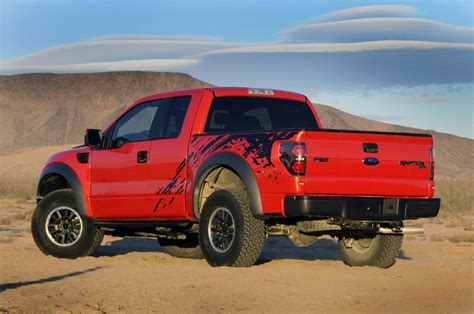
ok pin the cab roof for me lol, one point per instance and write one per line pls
(230, 91)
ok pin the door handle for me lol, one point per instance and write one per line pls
(142, 157)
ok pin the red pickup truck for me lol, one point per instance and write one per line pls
(211, 172)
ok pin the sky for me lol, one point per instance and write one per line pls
(408, 63)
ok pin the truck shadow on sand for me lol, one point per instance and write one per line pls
(275, 248)
(278, 248)
(14, 285)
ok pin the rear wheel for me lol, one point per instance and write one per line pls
(60, 230)
(188, 248)
(228, 232)
(379, 250)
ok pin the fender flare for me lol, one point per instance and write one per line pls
(241, 168)
(70, 176)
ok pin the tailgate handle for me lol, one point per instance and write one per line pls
(370, 148)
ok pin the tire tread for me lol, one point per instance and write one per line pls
(254, 232)
(383, 256)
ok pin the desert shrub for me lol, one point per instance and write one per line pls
(436, 238)
(8, 239)
(453, 223)
(462, 237)
(5, 221)
(25, 215)
(469, 227)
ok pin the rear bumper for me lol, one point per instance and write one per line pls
(370, 209)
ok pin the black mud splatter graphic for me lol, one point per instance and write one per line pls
(175, 186)
(255, 148)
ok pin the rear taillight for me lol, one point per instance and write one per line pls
(432, 167)
(293, 157)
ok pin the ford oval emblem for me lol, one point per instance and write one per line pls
(370, 161)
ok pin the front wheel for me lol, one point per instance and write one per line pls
(379, 250)
(228, 232)
(60, 230)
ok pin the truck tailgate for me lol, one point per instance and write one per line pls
(359, 163)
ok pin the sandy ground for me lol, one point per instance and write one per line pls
(134, 275)
(28, 164)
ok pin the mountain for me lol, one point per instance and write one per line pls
(54, 109)
(39, 110)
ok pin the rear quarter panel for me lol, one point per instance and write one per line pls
(260, 152)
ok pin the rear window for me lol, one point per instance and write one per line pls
(241, 114)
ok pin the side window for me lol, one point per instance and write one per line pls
(136, 124)
(176, 115)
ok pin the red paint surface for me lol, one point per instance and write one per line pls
(117, 187)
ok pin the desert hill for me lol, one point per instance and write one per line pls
(54, 109)
(40, 110)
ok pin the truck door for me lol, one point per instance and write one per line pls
(120, 172)
(168, 159)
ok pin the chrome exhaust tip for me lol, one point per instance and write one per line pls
(402, 230)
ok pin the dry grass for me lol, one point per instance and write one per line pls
(25, 215)
(453, 223)
(5, 221)
(462, 237)
(20, 189)
(436, 238)
(469, 227)
(457, 201)
(457, 198)
(8, 239)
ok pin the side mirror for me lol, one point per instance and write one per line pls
(93, 137)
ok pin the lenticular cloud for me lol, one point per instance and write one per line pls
(372, 46)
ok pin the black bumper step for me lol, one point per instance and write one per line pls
(355, 208)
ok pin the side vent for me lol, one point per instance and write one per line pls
(83, 158)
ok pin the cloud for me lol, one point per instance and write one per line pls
(157, 37)
(340, 47)
(388, 118)
(373, 29)
(124, 65)
(357, 48)
(118, 48)
(341, 67)
(368, 12)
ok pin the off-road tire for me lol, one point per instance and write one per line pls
(382, 252)
(249, 233)
(87, 243)
(188, 248)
